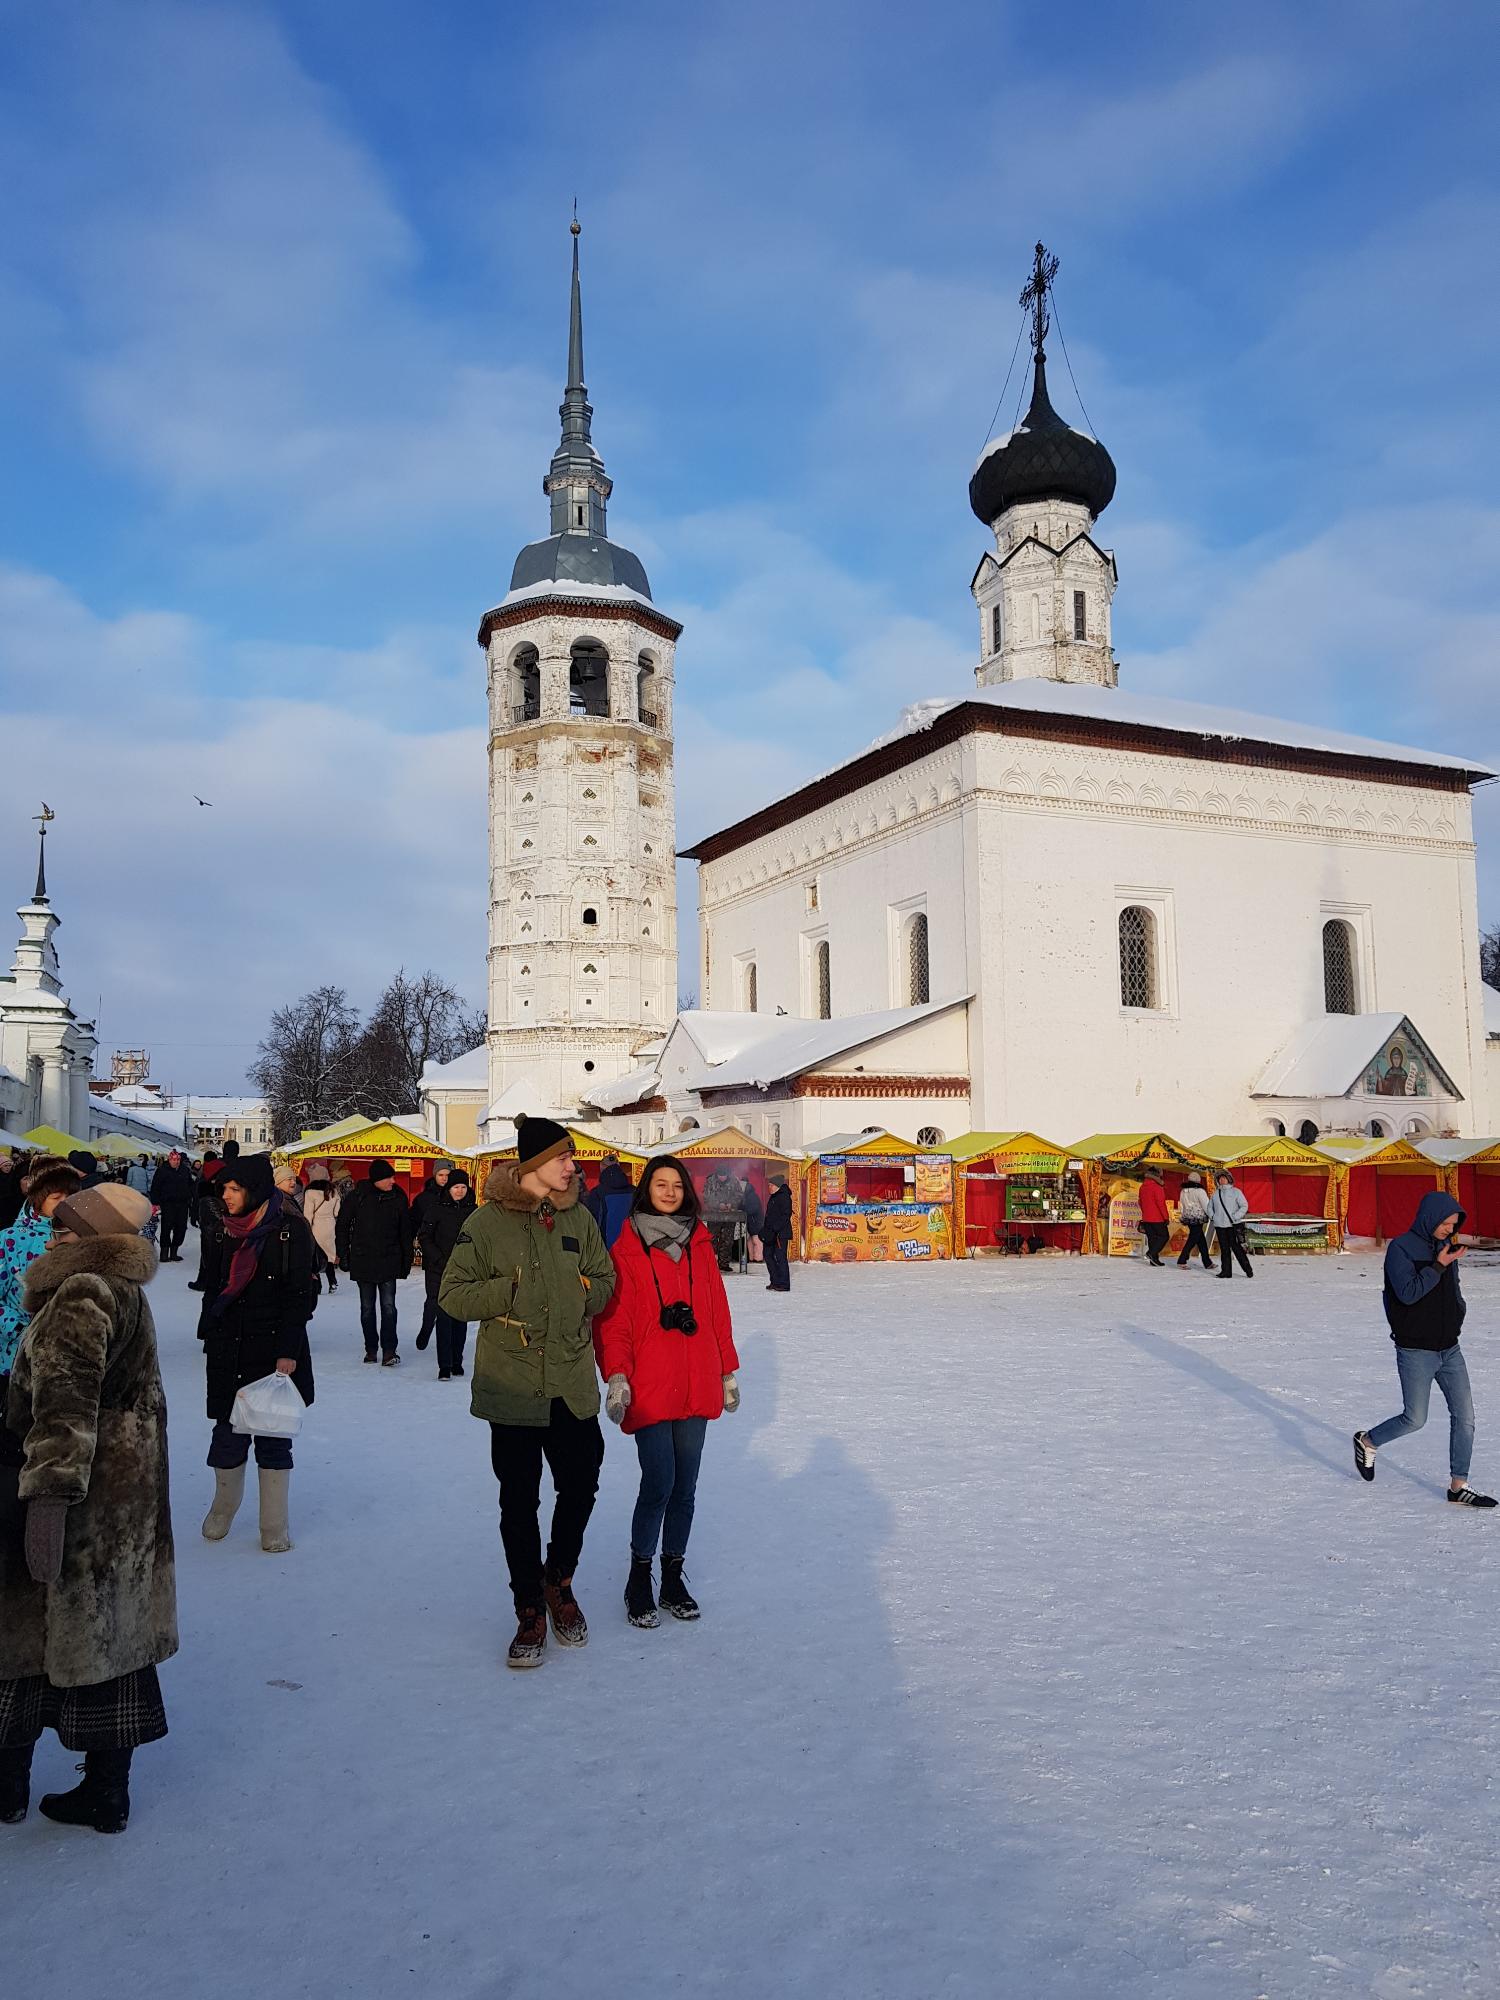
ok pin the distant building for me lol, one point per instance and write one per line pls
(46, 1051)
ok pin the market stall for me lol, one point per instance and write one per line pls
(1292, 1189)
(47, 1139)
(870, 1198)
(721, 1161)
(1015, 1194)
(1112, 1166)
(589, 1151)
(1380, 1184)
(350, 1146)
(1471, 1174)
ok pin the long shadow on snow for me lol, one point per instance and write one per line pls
(1291, 1425)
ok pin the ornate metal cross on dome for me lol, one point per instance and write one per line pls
(1034, 296)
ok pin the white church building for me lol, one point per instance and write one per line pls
(1042, 903)
(46, 1051)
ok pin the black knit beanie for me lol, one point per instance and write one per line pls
(381, 1170)
(253, 1172)
(539, 1140)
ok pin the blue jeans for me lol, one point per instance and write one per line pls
(1419, 1368)
(670, 1455)
(228, 1447)
(385, 1290)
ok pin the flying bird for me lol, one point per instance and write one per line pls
(202, 802)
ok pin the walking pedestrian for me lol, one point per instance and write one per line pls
(1192, 1212)
(755, 1221)
(428, 1203)
(87, 1165)
(138, 1175)
(320, 1211)
(1227, 1211)
(609, 1200)
(1154, 1218)
(440, 1230)
(288, 1185)
(374, 1238)
(260, 1295)
(45, 1183)
(171, 1191)
(666, 1352)
(1425, 1310)
(531, 1267)
(11, 1196)
(88, 1602)
(776, 1237)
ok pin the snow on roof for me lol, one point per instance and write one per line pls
(1491, 1011)
(412, 1122)
(470, 1071)
(570, 587)
(1181, 718)
(624, 1090)
(790, 1047)
(1325, 1056)
(133, 1094)
(718, 1036)
(518, 1100)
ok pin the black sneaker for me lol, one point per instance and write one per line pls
(640, 1597)
(1467, 1497)
(445, 1375)
(458, 1368)
(1364, 1456)
(675, 1596)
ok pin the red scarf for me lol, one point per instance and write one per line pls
(249, 1234)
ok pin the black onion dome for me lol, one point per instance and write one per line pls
(1043, 459)
(575, 558)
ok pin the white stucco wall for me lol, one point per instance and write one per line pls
(1024, 850)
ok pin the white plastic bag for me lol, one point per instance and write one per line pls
(271, 1407)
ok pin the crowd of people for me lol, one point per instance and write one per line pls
(1225, 1211)
(613, 1305)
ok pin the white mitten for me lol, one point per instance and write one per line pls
(616, 1398)
(731, 1393)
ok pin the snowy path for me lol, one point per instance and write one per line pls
(1051, 1650)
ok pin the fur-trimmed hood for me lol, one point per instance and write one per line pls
(129, 1259)
(503, 1188)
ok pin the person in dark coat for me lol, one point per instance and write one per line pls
(609, 1200)
(88, 1600)
(427, 1204)
(260, 1293)
(776, 1234)
(11, 1196)
(86, 1165)
(172, 1192)
(375, 1246)
(437, 1233)
(1424, 1308)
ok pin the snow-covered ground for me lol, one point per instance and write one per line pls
(1050, 1648)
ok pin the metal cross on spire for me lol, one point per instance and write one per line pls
(1034, 296)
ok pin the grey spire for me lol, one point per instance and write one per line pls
(40, 893)
(575, 319)
(576, 482)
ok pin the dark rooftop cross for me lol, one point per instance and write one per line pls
(1034, 296)
(39, 895)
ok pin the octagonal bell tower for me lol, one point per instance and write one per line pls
(583, 901)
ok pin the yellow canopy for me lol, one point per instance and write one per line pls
(1137, 1149)
(1024, 1149)
(1378, 1153)
(50, 1140)
(586, 1146)
(878, 1143)
(1265, 1149)
(364, 1139)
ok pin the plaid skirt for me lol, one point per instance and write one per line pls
(120, 1714)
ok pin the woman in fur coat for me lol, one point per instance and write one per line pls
(88, 1601)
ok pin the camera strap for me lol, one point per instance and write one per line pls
(687, 1258)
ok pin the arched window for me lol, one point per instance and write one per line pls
(1376, 1130)
(1307, 1132)
(526, 686)
(752, 989)
(588, 679)
(1339, 995)
(929, 1135)
(1137, 957)
(823, 980)
(646, 707)
(917, 992)
(591, 916)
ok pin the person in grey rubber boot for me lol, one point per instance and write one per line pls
(1424, 1305)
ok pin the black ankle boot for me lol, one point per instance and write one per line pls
(102, 1801)
(640, 1596)
(675, 1596)
(15, 1784)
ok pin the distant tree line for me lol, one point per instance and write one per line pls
(318, 1062)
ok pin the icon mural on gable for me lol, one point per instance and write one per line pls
(1401, 1069)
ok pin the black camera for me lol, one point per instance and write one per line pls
(679, 1317)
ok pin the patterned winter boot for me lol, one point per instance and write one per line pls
(569, 1626)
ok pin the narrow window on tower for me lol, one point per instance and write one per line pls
(579, 512)
(1138, 977)
(823, 979)
(917, 984)
(994, 628)
(752, 989)
(1080, 614)
(1340, 990)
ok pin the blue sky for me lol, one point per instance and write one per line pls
(282, 305)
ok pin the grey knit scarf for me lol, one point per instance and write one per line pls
(669, 1233)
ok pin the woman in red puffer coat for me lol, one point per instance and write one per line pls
(666, 1353)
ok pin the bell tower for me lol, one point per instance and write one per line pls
(583, 899)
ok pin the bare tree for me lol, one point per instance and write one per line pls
(306, 1066)
(1489, 955)
(415, 1022)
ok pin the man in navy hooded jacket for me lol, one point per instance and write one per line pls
(1425, 1308)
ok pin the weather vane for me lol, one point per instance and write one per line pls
(1034, 296)
(43, 820)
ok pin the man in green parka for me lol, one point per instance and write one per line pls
(531, 1267)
